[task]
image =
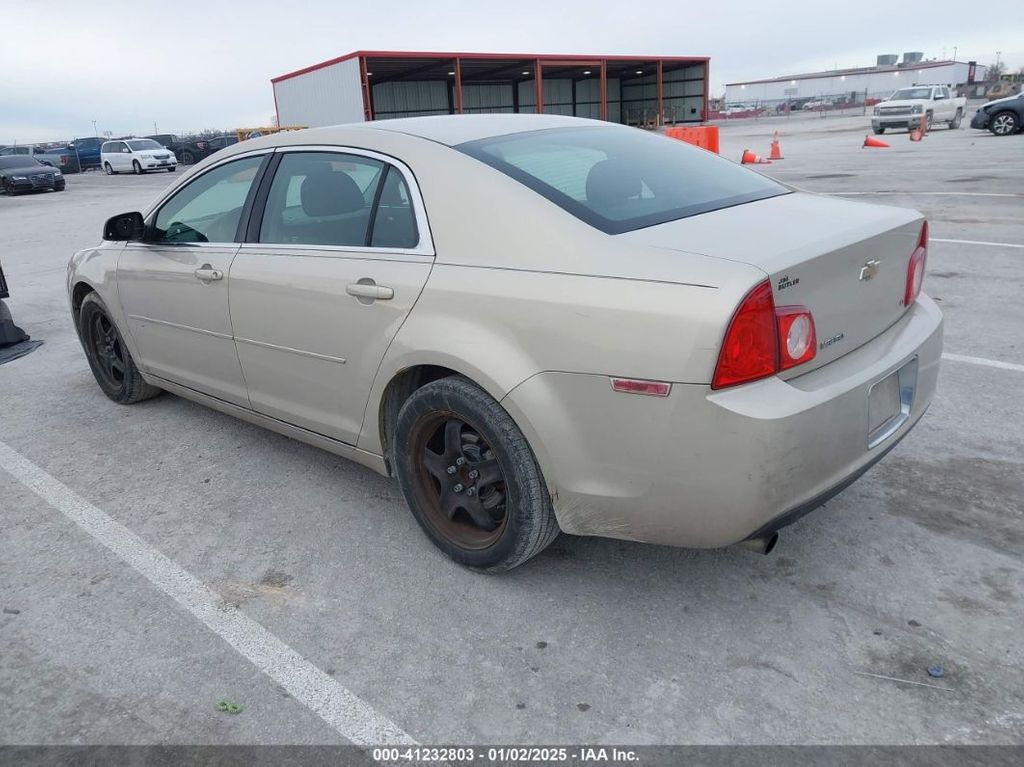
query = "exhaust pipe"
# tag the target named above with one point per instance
(763, 545)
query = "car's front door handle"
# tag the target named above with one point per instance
(370, 290)
(208, 274)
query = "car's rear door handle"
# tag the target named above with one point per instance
(208, 274)
(370, 290)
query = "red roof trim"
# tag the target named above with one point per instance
(469, 55)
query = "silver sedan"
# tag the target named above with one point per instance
(536, 323)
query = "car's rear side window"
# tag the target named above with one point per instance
(618, 179)
(338, 199)
(321, 198)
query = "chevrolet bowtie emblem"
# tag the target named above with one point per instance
(870, 269)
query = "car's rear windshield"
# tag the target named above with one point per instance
(143, 143)
(619, 179)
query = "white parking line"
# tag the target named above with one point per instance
(979, 242)
(351, 716)
(982, 361)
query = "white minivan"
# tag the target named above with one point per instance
(136, 155)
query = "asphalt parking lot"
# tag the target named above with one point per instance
(920, 563)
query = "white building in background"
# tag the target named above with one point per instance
(851, 85)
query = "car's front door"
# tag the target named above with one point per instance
(327, 276)
(174, 285)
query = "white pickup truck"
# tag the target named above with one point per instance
(904, 108)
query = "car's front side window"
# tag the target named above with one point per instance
(321, 198)
(210, 207)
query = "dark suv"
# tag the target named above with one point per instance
(191, 150)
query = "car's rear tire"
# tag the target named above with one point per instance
(111, 362)
(108, 169)
(879, 131)
(187, 158)
(1004, 123)
(137, 168)
(470, 477)
(954, 124)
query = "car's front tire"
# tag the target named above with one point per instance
(1004, 123)
(137, 168)
(187, 158)
(112, 364)
(9, 189)
(470, 477)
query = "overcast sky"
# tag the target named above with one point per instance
(188, 65)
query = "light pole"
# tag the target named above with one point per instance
(95, 132)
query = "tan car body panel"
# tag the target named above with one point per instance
(540, 309)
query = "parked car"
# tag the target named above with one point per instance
(1003, 117)
(814, 105)
(87, 151)
(692, 363)
(904, 108)
(193, 150)
(135, 155)
(21, 173)
(62, 158)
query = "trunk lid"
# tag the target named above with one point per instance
(845, 261)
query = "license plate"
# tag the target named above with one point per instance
(890, 401)
(883, 401)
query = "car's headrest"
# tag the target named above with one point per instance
(327, 192)
(612, 182)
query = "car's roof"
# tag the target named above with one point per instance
(449, 130)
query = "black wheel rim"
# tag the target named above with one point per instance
(107, 349)
(458, 482)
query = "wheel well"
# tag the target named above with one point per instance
(399, 389)
(78, 294)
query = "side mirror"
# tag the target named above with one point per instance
(127, 227)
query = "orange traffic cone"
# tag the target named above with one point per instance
(776, 152)
(872, 141)
(749, 158)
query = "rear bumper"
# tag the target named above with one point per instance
(705, 468)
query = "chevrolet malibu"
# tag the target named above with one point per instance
(536, 323)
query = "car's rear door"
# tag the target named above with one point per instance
(174, 288)
(337, 253)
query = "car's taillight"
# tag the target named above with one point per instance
(200, 145)
(915, 269)
(762, 340)
(796, 336)
(751, 348)
(63, 159)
